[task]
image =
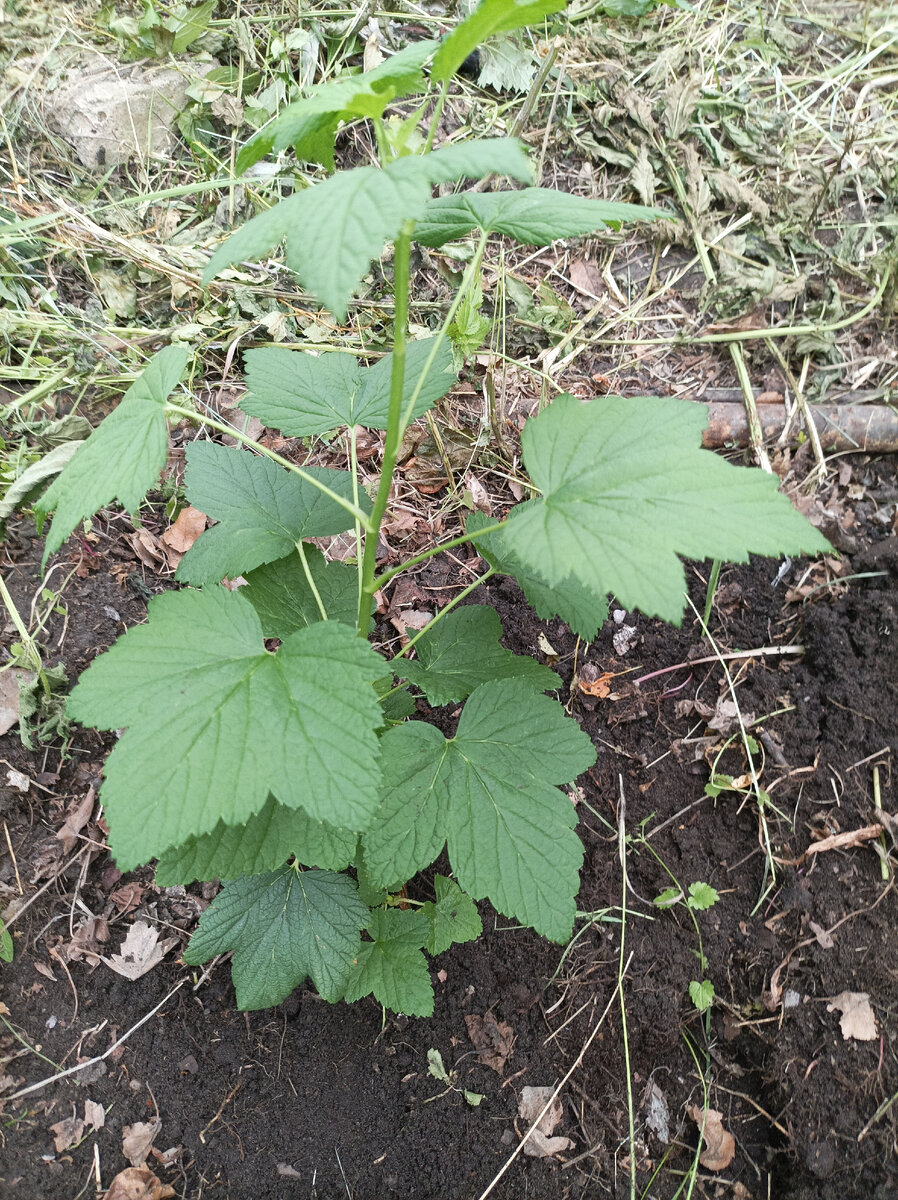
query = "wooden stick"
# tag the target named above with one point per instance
(870, 427)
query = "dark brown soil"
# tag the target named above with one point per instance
(310, 1100)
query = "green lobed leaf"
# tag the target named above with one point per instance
(216, 722)
(536, 216)
(627, 488)
(581, 608)
(274, 834)
(702, 896)
(490, 17)
(701, 994)
(509, 831)
(391, 966)
(408, 830)
(463, 651)
(283, 927)
(122, 458)
(302, 394)
(309, 125)
(453, 916)
(263, 510)
(336, 228)
(280, 593)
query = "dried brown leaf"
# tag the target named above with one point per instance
(77, 816)
(540, 1143)
(67, 1133)
(720, 1145)
(857, 1021)
(137, 1140)
(181, 536)
(493, 1040)
(140, 951)
(138, 1183)
(9, 696)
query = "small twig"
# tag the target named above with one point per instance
(228, 1098)
(763, 652)
(12, 855)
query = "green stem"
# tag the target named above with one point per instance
(401, 260)
(357, 529)
(623, 1015)
(712, 588)
(437, 113)
(175, 410)
(445, 609)
(29, 646)
(300, 550)
(471, 270)
(385, 578)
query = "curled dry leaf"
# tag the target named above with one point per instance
(137, 1140)
(94, 1114)
(67, 1133)
(9, 695)
(857, 1020)
(720, 1145)
(540, 1143)
(181, 536)
(140, 951)
(77, 816)
(138, 1183)
(493, 1040)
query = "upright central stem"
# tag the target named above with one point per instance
(401, 258)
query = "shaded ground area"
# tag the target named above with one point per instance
(310, 1100)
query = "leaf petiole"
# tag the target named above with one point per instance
(175, 410)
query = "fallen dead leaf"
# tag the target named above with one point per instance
(9, 695)
(94, 1114)
(77, 816)
(137, 1140)
(720, 1145)
(127, 897)
(138, 1183)
(148, 549)
(857, 1021)
(18, 781)
(479, 494)
(540, 1143)
(586, 278)
(493, 1040)
(67, 1133)
(140, 951)
(181, 536)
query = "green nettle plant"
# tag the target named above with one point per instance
(294, 774)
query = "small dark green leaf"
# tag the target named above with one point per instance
(463, 651)
(122, 458)
(272, 836)
(280, 592)
(453, 917)
(536, 216)
(391, 966)
(263, 510)
(283, 927)
(302, 394)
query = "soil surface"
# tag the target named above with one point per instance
(310, 1100)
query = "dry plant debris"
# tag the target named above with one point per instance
(857, 1020)
(541, 1143)
(720, 1145)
